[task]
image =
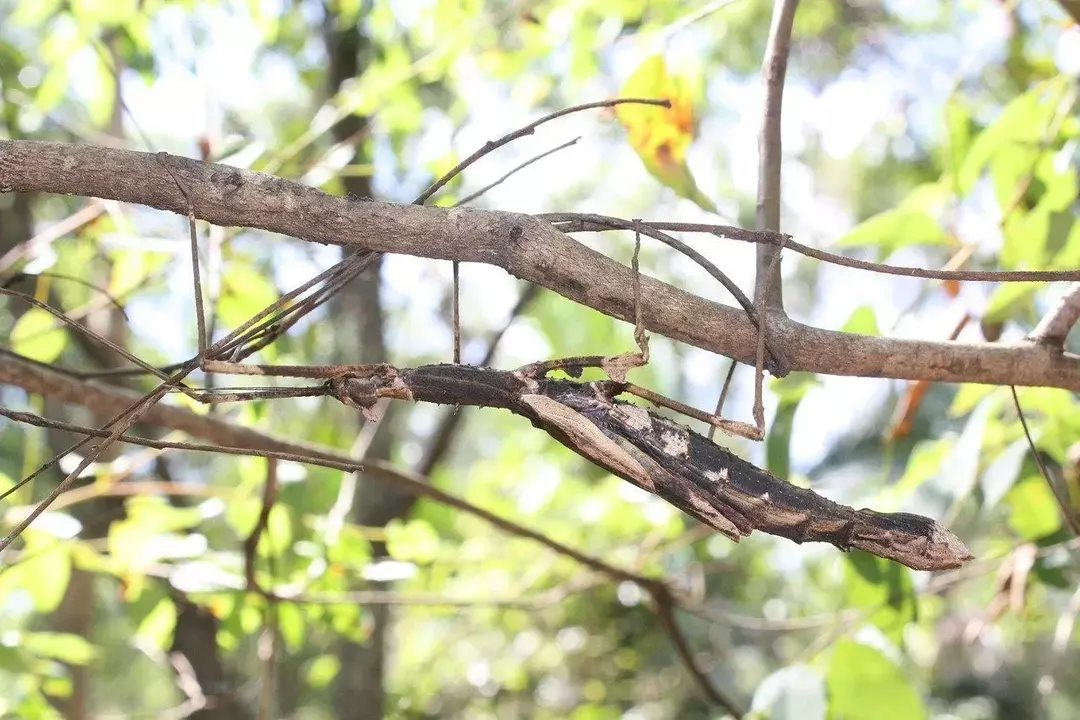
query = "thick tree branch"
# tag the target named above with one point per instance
(524, 246)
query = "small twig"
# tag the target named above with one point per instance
(1063, 502)
(665, 605)
(640, 337)
(770, 152)
(579, 222)
(768, 281)
(494, 145)
(15, 277)
(588, 222)
(723, 396)
(46, 237)
(123, 423)
(469, 198)
(251, 543)
(79, 327)
(1056, 324)
(200, 317)
(456, 271)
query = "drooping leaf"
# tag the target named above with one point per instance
(43, 574)
(661, 136)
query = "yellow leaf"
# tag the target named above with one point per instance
(661, 136)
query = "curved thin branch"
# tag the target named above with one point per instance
(524, 246)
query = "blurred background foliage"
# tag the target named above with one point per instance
(936, 134)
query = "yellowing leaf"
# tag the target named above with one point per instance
(38, 335)
(661, 136)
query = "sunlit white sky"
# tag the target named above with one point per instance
(900, 96)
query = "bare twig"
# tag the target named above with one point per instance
(46, 237)
(473, 196)
(1056, 324)
(1063, 501)
(529, 129)
(573, 222)
(773, 71)
(665, 605)
(200, 316)
(723, 395)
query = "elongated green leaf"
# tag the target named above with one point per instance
(865, 685)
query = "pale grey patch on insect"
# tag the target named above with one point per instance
(717, 476)
(636, 418)
(675, 443)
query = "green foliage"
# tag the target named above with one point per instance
(488, 624)
(863, 684)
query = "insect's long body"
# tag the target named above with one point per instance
(736, 497)
(666, 459)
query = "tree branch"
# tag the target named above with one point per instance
(1056, 324)
(524, 246)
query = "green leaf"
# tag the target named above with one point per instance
(792, 693)
(105, 12)
(790, 392)
(44, 573)
(884, 588)
(958, 127)
(322, 670)
(962, 465)
(1033, 510)
(414, 541)
(245, 292)
(863, 321)
(39, 336)
(1022, 121)
(158, 625)
(65, 647)
(1010, 300)
(865, 685)
(911, 223)
(291, 626)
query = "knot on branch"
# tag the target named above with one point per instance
(362, 389)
